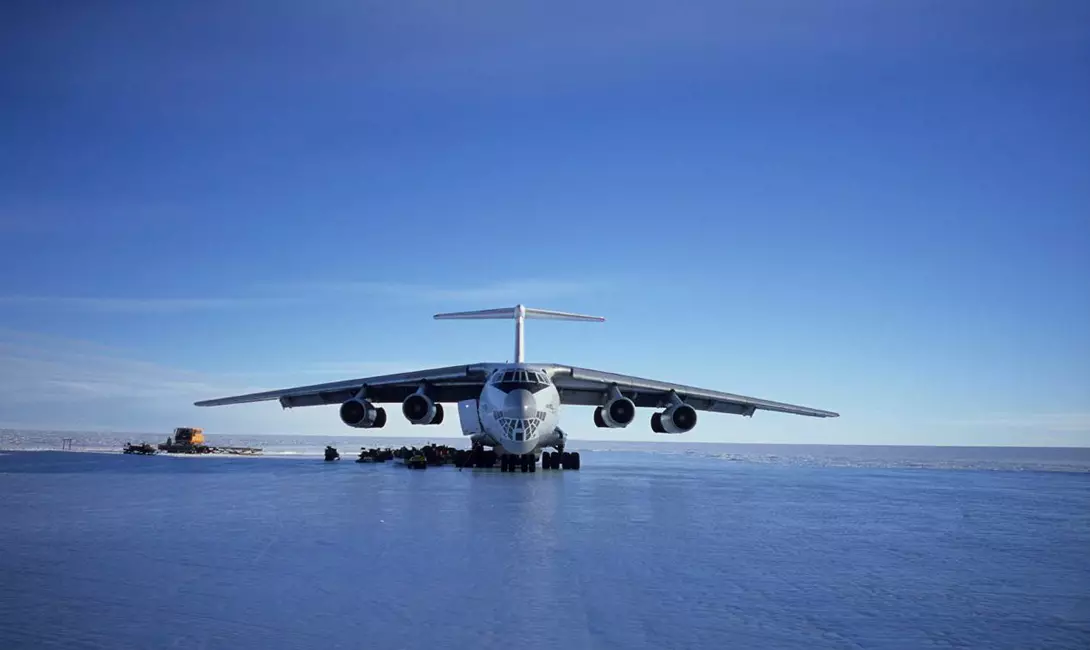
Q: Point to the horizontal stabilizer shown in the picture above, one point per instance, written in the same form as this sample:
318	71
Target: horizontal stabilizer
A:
560	315
516	312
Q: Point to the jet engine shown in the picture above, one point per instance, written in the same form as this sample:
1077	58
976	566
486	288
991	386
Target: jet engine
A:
617	413
678	418
362	414
418	408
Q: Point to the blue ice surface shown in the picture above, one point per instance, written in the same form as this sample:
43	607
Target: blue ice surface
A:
636	550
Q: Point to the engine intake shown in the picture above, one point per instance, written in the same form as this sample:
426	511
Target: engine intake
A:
616	414
418	408
362	414
678	418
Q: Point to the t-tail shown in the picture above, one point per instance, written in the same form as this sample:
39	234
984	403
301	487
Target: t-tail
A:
519	314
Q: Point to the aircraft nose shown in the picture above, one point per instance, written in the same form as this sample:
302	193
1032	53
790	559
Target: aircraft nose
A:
520	404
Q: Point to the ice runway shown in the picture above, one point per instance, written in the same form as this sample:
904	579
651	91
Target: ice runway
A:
636	550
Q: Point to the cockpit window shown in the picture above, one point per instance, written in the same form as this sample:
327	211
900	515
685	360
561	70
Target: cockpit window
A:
509	380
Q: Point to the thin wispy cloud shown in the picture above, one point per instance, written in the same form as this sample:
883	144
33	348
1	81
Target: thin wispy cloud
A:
494	46
141	305
526	46
514	290
508	291
317	371
37	368
64	370
54	382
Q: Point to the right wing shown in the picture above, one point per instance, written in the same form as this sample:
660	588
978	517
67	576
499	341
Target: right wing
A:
450	384
586	387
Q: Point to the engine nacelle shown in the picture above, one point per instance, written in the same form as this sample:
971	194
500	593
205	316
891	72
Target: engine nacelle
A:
678	418
362	414
616	414
418	408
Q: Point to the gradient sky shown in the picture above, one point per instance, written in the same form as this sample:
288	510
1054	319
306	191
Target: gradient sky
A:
878	208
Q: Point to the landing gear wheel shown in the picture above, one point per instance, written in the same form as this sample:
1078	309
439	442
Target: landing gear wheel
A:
547	460
575	460
532	461
503	463
525	464
565	460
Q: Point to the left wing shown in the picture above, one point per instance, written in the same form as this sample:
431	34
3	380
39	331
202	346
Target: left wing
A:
581	386
449	384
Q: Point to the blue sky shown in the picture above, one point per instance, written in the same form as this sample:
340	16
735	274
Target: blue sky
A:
881	209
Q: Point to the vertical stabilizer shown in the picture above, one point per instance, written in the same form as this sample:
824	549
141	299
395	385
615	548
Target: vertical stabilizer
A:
519	313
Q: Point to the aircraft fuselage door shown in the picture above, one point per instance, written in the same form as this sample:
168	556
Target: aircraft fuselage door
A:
467	414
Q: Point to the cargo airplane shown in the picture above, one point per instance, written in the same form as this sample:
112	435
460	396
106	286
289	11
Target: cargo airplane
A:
514	408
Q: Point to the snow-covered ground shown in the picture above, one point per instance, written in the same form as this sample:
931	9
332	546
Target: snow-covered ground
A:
636	550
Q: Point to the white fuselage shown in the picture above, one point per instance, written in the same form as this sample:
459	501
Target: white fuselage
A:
519	409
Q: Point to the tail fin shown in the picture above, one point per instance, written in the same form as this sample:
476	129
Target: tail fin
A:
519	314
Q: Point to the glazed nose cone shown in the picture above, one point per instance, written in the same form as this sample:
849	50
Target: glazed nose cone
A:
520	404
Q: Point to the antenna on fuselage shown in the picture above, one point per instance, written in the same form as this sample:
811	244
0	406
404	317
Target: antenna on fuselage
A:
519	313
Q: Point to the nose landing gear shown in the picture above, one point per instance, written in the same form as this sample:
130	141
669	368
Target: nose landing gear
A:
526	462
560	460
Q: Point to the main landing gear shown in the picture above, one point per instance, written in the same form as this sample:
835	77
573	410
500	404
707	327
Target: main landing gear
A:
475	457
560	460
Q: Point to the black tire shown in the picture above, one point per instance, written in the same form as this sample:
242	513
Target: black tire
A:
438	419
599	421
532	462
546	460
525	464
565	460
575	460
